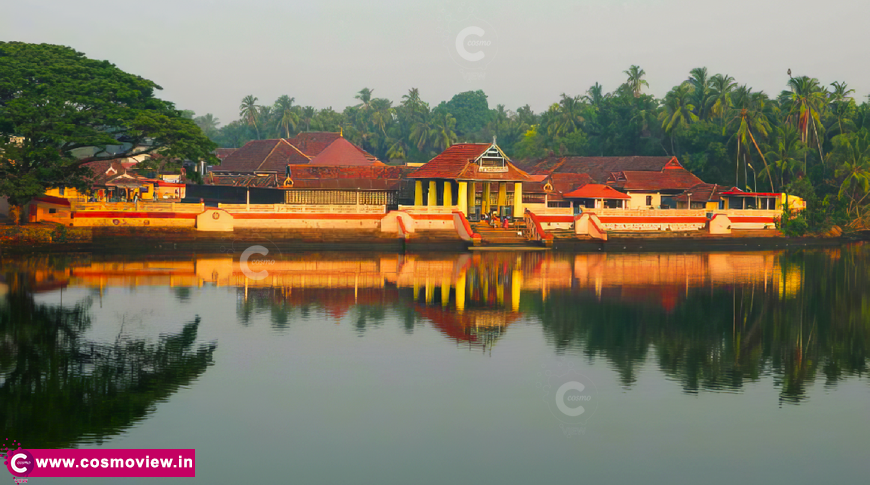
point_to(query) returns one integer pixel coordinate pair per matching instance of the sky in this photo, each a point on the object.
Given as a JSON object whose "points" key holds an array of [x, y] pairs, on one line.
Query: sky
{"points": [[208, 54]]}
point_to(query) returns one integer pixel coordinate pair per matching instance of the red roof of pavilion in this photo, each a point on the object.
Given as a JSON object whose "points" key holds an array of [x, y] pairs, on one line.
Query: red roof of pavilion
{"points": [[595, 191], [457, 163], [262, 156], [312, 143]]}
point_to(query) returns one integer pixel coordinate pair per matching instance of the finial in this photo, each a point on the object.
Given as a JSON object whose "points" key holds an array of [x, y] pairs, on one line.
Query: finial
{"points": [[341, 131], [493, 139]]}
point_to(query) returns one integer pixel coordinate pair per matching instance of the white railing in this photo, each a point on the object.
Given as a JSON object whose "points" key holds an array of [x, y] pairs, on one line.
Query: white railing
{"points": [[305, 208], [428, 209]]}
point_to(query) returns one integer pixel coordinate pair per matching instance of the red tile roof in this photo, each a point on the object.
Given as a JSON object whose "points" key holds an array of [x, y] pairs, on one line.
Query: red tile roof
{"points": [[676, 180], [223, 153], [456, 163], [312, 143], [49, 199], [600, 168], [111, 172], [343, 153], [595, 191], [307, 176], [262, 156]]}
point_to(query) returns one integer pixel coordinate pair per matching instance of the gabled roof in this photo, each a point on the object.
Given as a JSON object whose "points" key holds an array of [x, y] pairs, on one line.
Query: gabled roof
{"points": [[457, 163], [51, 200], [262, 156], [223, 153], [311, 143], [595, 191], [600, 168], [306, 176], [112, 172], [343, 153], [679, 179], [704, 193]]}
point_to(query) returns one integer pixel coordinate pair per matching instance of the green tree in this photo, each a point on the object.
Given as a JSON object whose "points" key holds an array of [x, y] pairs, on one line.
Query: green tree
{"points": [[250, 112], [55, 104], [635, 81], [208, 124]]}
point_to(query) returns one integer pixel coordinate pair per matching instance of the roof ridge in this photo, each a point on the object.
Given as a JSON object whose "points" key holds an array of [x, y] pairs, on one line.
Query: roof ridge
{"points": [[295, 148]]}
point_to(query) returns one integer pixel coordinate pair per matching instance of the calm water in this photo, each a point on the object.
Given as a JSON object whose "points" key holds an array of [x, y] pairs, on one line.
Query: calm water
{"points": [[366, 368]]}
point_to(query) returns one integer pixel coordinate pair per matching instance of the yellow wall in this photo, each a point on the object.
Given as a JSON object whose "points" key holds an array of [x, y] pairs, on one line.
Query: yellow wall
{"points": [[638, 200]]}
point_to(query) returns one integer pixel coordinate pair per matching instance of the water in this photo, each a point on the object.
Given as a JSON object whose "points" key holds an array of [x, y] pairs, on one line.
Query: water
{"points": [[433, 368]]}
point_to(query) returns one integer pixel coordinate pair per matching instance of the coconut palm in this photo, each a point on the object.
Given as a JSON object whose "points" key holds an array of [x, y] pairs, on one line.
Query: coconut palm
{"points": [[805, 101], [365, 97], [678, 110], [855, 171], [701, 83], [787, 153], [381, 113], [635, 81], [721, 87], [748, 115], [288, 120], [443, 132], [250, 112], [208, 124], [307, 115], [421, 132], [595, 95], [568, 116], [840, 101]]}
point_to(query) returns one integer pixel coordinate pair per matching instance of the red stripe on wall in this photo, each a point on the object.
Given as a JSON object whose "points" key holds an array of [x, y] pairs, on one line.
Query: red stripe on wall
{"points": [[652, 220], [433, 217], [752, 219]]}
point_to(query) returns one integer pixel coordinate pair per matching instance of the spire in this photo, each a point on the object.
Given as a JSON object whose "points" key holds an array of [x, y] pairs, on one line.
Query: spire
{"points": [[341, 131]]}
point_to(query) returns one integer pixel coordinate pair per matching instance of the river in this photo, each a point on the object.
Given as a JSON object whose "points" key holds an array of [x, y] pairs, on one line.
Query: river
{"points": [[741, 367]]}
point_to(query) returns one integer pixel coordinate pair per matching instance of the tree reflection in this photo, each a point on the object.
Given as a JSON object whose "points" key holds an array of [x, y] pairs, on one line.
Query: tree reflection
{"points": [[58, 389], [719, 338]]}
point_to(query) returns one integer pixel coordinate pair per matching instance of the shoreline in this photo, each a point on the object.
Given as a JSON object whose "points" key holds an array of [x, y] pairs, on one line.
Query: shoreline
{"points": [[51, 239]]}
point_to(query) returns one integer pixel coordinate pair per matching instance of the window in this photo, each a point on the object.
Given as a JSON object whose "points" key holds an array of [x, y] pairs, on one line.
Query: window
{"points": [[52, 211], [61, 191], [649, 200], [144, 189]]}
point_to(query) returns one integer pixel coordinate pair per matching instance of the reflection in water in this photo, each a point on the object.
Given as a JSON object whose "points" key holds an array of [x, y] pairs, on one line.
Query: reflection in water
{"points": [[709, 321], [57, 389]]}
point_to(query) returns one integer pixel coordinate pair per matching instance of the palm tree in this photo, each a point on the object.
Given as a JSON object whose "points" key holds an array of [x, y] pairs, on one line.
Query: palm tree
{"points": [[721, 87], [308, 114], [208, 124], [678, 111], [381, 113], [289, 119], [635, 81], [855, 172], [807, 99], [421, 132], [748, 113], [568, 116], [365, 96], [787, 152], [249, 112], [443, 133], [701, 84], [595, 95], [840, 101]]}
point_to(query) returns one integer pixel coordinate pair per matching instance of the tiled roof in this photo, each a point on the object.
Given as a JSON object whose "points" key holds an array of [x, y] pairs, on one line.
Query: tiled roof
{"points": [[595, 191], [312, 143], [679, 179], [319, 177], [456, 163], [343, 153], [600, 168], [110, 172], [704, 192], [223, 153], [49, 199], [262, 156]]}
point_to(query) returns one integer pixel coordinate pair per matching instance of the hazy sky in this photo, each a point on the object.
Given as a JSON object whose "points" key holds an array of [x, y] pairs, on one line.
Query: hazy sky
{"points": [[208, 54]]}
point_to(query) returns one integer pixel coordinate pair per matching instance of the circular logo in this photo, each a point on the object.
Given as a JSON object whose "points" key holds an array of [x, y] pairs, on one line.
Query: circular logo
{"points": [[570, 396], [474, 43], [215, 215], [20, 463]]}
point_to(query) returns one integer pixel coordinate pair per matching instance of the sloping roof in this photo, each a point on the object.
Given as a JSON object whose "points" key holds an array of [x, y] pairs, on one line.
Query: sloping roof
{"points": [[704, 192], [372, 177], [223, 153], [343, 153], [111, 172], [679, 179], [600, 168], [595, 191], [262, 156], [312, 143], [49, 199], [456, 163]]}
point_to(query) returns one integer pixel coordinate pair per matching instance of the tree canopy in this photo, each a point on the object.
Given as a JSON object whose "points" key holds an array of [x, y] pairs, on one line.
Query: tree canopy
{"points": [[60, 110]]}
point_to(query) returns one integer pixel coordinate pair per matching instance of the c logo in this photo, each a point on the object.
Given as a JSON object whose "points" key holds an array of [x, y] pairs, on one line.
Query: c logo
{"points": [[21, 463], [460, 44], [243, 262], [560, 399]]}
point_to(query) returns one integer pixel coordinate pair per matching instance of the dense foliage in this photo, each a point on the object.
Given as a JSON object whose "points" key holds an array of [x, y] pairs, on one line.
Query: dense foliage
{"points": [[60, 110], [811, 139]]}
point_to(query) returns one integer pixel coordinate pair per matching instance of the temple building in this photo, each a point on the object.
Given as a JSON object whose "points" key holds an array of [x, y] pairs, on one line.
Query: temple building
{"points": [[474, 178]]}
